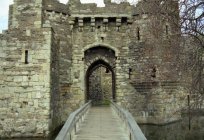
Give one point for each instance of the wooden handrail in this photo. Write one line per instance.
(70, 124)
(135, 131)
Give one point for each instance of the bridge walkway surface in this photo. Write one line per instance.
(101, 123)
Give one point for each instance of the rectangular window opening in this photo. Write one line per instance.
(138, 33)
(167, 30)
(26, 56)
(130, 73)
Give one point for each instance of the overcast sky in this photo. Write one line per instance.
(4, 7)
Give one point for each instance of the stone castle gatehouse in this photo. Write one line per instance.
(54, 57)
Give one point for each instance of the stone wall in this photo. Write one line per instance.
(29, 71)
(25, 14)
(155, 71)
(55, 98)
(58, 19)
(25, 87)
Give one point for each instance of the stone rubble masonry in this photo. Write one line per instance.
(25, 88)
(56, 39)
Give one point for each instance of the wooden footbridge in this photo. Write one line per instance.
(100, 123)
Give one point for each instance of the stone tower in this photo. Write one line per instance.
(52, 50)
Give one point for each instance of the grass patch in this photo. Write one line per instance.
(101, 103)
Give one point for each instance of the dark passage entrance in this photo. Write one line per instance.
(100, 85)
(100, 76)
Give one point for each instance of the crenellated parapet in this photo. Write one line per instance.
(100, 22)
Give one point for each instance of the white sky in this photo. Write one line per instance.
(4, 7)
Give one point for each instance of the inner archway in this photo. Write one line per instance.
(100, 84)
(100, 75)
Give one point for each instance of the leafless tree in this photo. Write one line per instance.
(192, 29)
(192, 19)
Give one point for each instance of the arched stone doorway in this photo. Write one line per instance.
(100, 75)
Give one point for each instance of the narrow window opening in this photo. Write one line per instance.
(26, 56)
(138, 33)
(124, 20)
(130, 72)
(167, 30)
(154, 70)
(99, 27)
(102, 38)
